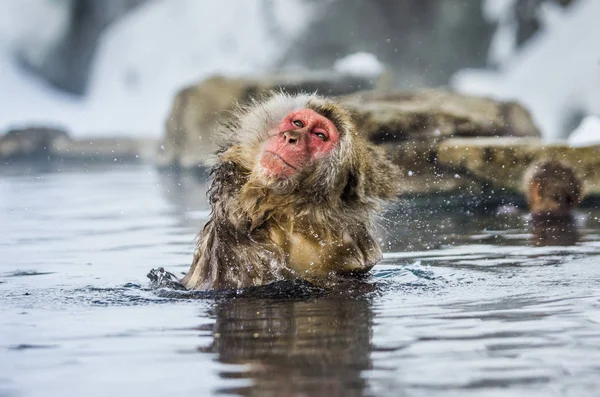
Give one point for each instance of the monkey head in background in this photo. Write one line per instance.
(553, 191)
(552, 187)
(294, 192)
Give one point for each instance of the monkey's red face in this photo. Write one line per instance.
(300, 138)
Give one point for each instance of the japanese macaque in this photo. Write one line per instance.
(553, 191)
(294, 192)
(552, 187)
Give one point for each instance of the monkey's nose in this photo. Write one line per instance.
(291, 137)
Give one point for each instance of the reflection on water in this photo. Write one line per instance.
(287, 345)
(463, 303)
(554, 229)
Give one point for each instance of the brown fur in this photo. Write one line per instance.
(552, 187)
(312, 225)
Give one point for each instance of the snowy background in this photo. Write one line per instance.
(112, 68)
(556, 74)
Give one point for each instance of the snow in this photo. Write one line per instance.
(504, 41)
(496, 10)
(587, 133)
(25, 100)
(360, 64)
(556, 74)
(147, 56)
(46, 21)
(29, 28)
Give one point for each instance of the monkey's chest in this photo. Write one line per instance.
(316, 256)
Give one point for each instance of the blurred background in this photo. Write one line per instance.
(108, 68)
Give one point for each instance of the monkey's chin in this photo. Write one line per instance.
(276, 168)
(273, 175)
(277, 183)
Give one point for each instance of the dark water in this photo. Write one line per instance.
(462, 305)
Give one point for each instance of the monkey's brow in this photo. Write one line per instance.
(329, 113)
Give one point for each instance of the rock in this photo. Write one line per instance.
(43, 143)
(422, 175)
(197, 110)
(30, 142)
(501, 162)
(408, 125)
(411, 125)
(105, 149)
(432, 115)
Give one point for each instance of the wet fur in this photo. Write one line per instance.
(552, 187)
(313, 225)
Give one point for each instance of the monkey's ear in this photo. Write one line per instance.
(372, 176)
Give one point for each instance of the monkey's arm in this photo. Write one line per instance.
(226, 255)
(225, 259)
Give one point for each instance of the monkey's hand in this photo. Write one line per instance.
(160, 278)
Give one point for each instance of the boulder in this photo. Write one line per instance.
(410, 126)
(30, 142)
(197, 110)
(421, 174)
(44, 143)
(499, 163)
(432, 115)
(105, 149)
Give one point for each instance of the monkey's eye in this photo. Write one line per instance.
(321, 136)
(298, 123)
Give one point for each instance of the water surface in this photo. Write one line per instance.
(462, 305)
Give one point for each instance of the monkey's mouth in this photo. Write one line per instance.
(277, 165)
